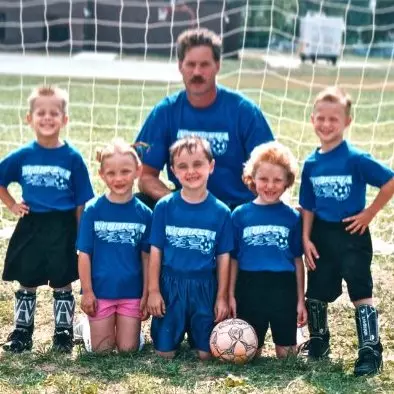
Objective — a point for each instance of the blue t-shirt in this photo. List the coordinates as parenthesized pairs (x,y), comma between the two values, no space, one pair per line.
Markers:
(333,184)
(114,236)
(233,125)
(190,236)
(52,179)
(267,237)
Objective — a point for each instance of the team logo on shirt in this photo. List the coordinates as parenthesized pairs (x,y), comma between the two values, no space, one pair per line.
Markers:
(118,232)
(191,238)
(266,236)
(217,140)
(46,176)
(337,187)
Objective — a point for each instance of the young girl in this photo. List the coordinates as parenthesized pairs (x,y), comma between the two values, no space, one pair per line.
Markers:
(113,253)
(267,271)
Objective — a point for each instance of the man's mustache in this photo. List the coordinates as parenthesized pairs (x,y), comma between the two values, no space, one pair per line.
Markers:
(197,79)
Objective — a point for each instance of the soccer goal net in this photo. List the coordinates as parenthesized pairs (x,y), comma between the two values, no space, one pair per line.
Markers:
(117,59)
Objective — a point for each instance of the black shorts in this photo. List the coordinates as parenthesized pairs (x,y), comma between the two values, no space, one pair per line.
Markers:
(42,250)
(342,256)
(269,299)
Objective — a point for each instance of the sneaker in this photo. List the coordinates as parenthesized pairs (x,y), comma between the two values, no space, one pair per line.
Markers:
(369,361)
(63,341)
(18,341)
(315,348)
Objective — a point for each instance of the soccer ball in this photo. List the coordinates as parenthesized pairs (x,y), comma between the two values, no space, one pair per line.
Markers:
(233,340)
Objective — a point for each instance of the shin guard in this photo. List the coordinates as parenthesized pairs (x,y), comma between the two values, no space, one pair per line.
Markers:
(317,318)
(63,309)
(24,310)
(367,326)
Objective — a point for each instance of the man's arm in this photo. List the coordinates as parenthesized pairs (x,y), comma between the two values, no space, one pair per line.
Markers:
(150,184)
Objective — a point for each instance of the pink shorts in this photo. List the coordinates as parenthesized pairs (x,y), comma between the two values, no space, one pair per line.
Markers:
(125,307)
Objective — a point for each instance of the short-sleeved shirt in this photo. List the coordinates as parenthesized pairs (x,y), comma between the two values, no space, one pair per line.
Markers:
(114,236)
(333,184)
(233,125)
(52,179)
(190,236)
(267,237)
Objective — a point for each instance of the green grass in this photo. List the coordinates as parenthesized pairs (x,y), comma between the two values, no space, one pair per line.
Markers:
(102,109)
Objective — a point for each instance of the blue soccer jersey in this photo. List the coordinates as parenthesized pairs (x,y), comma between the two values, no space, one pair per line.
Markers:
(333,184)
(267,237)
(114,235)
(52,179)
(233,125)
(191,235)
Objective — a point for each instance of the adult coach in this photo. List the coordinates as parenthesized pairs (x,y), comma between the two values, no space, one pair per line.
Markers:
(232,123)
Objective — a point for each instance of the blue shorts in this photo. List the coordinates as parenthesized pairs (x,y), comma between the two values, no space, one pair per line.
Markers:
(190,300)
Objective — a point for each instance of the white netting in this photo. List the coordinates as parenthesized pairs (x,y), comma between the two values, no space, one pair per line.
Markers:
(117,59)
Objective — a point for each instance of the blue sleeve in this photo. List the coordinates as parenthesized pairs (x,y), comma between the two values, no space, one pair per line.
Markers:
(85,238)
(372,172)
(255,127)
(158,230)
(10,169)
(296,239)
(155,133)
(82,186)
(225,240)
(145,245)
(307,196)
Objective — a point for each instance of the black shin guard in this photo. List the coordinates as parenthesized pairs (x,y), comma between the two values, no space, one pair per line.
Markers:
(63,309)
(369,360)
(317,318)
(24,310)
(318,345)
(367,326)
(20,339)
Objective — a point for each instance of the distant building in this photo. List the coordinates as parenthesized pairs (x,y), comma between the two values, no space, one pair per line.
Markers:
(120,26)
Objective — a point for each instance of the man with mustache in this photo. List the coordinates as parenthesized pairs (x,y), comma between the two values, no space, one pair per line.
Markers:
(232,123)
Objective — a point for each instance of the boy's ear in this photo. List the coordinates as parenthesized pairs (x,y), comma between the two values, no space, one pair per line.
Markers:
(139,171)
(28,117)
(211,166)
(348,121)
(65,120)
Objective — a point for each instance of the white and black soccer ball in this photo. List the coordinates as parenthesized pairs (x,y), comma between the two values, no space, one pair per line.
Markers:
(233,340)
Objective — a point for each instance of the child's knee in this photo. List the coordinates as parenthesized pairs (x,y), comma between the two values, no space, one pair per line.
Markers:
(127,348)
(285,351)
(204,356)
(166,355)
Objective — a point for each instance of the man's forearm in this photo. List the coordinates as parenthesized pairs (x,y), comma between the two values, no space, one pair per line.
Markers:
(153,186)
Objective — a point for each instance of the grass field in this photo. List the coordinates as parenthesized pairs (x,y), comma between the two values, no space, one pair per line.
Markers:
(101,109)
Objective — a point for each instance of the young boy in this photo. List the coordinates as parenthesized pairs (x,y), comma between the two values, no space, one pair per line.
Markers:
(191,238)
(337,242)
(55,186)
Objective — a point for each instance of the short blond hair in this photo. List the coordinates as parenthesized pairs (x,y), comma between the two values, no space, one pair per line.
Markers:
(334,94)
(48,91)
(117,145)
(274,153)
